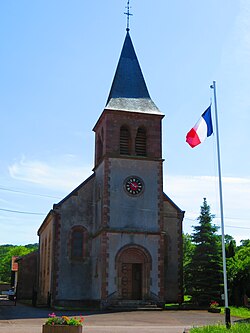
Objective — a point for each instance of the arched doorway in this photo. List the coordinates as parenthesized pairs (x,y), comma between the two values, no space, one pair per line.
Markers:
(133,265)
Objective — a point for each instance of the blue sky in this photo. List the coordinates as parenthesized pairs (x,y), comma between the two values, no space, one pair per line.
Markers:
(57,62)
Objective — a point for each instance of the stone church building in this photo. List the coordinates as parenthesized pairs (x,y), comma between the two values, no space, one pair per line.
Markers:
(117,237)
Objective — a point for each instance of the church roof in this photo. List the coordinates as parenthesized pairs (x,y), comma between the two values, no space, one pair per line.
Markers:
(129,91)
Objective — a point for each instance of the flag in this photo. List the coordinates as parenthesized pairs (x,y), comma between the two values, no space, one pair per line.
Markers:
(201,130)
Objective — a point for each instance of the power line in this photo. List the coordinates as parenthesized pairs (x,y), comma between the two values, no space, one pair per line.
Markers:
(34,213)
(20,212)
(28,193)
(234,226)
(234,218)
(226,217)
(227,225)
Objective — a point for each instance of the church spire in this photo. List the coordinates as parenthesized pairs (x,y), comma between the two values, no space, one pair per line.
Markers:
(129,91)
(128,81)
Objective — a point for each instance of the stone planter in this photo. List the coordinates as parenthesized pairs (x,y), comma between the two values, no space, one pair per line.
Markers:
(214,310)
(62,329)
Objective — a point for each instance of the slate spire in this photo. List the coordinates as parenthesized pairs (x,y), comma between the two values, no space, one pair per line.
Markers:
(129,91)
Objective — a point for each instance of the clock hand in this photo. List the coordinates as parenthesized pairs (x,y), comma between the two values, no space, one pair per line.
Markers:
(135,186)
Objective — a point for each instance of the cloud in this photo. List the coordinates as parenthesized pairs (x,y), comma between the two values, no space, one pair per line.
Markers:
(235,190)
(65,175)
(188,193)
(3,201)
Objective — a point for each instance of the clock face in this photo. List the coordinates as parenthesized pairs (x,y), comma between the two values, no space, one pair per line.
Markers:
(133,185)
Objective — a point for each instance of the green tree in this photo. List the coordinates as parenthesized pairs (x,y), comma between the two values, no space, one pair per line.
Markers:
(245,242)
(238,268)
(188,250)
(230,245)
(205,267)
(6,254)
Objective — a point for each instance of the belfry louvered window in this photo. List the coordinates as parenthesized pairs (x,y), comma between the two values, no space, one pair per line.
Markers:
(125,141)
(141,142)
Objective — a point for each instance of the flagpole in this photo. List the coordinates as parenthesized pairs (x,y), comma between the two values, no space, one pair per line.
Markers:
(227,310)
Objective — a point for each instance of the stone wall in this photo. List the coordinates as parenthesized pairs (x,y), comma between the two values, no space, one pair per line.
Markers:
(27,275)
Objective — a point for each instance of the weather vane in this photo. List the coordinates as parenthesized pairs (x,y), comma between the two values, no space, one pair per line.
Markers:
(128,14)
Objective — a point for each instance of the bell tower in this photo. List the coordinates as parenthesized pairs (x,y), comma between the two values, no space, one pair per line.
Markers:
(130,125)
(128,168)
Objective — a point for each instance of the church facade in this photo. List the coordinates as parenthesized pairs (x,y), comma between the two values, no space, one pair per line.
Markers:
(117,236)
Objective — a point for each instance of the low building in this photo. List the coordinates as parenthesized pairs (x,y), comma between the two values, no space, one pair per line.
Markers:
(27,276)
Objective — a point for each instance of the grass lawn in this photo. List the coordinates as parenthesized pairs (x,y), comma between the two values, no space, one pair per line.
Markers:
(243,327)
(238,312)
(236,328)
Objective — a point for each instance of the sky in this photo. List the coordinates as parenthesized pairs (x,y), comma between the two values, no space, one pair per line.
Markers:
(57,63)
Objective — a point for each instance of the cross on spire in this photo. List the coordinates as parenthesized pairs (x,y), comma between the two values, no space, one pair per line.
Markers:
(128,14)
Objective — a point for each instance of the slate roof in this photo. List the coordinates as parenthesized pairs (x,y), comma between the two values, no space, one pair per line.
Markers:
(129,91)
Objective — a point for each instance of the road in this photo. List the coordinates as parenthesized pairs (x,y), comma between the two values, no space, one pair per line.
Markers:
(26,319)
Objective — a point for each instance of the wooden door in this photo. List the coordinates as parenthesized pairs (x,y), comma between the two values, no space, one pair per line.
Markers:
(136,281)
(131,281)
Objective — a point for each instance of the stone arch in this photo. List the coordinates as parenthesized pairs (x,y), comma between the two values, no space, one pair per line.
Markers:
(133,266)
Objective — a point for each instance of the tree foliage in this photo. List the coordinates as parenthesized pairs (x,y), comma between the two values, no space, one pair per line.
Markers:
(188,250)
(238,269)
(202,263)
(6,254)
(203,272)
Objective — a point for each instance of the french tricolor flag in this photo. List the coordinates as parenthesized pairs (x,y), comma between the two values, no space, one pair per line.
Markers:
(201,130)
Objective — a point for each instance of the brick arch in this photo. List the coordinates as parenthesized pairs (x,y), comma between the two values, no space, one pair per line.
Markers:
(130,261)
(132,253)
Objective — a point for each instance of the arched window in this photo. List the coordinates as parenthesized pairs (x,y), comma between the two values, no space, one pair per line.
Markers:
(79,243)
(48,254)
(125,141)
(141,142)
(99,148)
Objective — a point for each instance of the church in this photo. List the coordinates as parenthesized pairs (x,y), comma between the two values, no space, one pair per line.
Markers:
(117,237)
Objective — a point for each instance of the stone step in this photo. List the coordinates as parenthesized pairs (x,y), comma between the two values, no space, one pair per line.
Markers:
(131,308)
(4,297)
(130,305)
